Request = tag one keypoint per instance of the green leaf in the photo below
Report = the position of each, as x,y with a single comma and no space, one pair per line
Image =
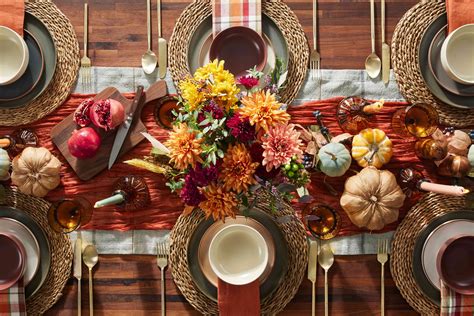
220,153
204,123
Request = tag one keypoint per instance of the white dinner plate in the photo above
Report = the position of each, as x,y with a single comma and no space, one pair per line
24,235
437,239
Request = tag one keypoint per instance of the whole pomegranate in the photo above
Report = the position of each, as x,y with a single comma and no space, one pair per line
107,114
84,143
81,115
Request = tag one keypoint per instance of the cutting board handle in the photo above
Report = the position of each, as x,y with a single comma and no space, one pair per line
154,92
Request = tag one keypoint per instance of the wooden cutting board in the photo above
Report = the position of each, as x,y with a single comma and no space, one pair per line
86,169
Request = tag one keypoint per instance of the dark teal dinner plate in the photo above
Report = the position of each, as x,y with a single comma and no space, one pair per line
45,253
45,41
274,278
421,279
32,75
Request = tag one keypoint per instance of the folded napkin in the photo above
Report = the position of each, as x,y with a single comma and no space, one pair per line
460,12
12,300
12,14
455,304
238,300
228,13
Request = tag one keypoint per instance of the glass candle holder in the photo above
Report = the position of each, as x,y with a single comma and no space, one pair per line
129,193
419,120
163,112
69,213
322,221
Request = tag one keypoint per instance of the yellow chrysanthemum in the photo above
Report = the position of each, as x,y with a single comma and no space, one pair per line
211,69
185,148
238,169
225,93
191,93
263,110
218,203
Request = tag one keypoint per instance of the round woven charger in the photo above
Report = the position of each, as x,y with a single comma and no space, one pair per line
280,13
401,261
59,244
405,46
67,66
295,236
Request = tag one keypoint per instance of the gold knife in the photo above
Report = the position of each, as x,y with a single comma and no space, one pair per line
385,49
312,270
78,269
162,46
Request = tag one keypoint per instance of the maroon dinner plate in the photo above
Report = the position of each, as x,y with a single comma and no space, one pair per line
13,261
455,264
241,48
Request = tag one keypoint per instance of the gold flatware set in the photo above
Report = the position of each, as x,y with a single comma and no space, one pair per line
162,253
86,63
90,257
382,257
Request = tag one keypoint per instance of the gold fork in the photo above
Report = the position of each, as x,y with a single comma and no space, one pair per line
162,261
315,57
85,70
382,257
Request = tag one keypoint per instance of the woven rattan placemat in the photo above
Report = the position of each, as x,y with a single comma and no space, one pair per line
295,236
401,260
405,46
67,66
279,12
60,247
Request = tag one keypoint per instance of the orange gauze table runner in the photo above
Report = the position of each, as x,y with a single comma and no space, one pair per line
165,206
12,14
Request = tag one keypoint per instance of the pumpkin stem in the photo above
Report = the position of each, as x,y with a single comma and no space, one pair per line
373,199
333,157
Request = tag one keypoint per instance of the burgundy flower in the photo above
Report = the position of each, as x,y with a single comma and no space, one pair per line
203,176
212,108
190,193
241,128
248,82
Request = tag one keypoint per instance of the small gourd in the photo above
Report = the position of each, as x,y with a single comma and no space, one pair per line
458,143
454,166
4,165
334,159
371,147
372,198
36,171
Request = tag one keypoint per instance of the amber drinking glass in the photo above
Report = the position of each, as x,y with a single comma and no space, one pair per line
69,214
321,220
419,120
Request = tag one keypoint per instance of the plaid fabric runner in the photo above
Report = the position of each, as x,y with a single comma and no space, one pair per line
455,304
12,300
228,13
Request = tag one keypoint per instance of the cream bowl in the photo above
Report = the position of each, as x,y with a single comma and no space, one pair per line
238,254
14,56
457,54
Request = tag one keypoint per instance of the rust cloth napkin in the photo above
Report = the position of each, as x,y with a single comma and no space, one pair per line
12,300
228,13
460,12
12,14
455,304
238,300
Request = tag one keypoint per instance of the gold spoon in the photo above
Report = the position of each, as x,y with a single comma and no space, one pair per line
372,63
90,257
326,259
149,59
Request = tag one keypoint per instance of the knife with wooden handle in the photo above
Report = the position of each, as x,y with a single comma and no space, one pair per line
312,271
385,49
77,269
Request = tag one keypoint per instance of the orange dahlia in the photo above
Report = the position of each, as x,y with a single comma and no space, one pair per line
218,203
263,110
238,169
185,148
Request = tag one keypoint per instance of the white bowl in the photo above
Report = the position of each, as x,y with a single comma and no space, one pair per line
238,254
14,56
457,54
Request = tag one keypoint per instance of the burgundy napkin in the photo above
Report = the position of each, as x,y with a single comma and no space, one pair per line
12,14
12,300
460,12
238,300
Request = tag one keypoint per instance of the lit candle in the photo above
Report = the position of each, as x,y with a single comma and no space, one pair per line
117,198
442,188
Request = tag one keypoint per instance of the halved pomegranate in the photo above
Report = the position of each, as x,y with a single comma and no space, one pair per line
107,114
81,115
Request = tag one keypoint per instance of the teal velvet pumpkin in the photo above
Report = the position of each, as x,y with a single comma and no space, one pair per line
4,165
334,159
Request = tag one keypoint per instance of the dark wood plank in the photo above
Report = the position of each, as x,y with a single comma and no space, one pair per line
130,285
117,28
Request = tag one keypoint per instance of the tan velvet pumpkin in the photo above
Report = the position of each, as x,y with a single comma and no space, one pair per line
372,198
36,171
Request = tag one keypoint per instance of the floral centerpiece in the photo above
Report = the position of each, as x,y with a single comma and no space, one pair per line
231,137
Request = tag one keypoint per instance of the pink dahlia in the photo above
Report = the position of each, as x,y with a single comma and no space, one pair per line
248,82
279,145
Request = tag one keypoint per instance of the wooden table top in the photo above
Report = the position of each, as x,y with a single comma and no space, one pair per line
129,284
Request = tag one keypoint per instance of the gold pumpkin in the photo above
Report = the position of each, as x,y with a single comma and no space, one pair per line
36,171
371,147
372,198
